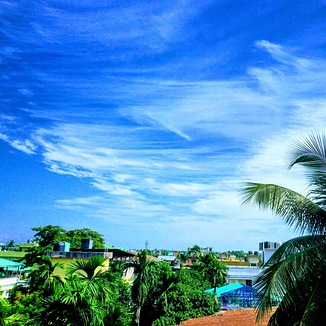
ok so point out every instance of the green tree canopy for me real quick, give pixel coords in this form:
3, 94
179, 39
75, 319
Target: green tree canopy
164, 252
90, 295
11, 245
194, 252
212, 269
47, 235
75, 238
183, 298
182, 257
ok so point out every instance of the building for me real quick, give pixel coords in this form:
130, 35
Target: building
235, 296
268, 248
111, 253
246, 272
243, 274
10, 272
25, 247
206, 250
171, 260
254, 259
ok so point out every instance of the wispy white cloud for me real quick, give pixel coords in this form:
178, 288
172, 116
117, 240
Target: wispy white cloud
81, 201
25, 146
179, 158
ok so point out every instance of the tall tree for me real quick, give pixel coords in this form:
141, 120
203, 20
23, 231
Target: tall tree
184, 298
144, 280
194, 252
47, 235
82, 300
182, 257
43, 275
75, 238
93, 273
212, 270
295, 276
164, 282
11, 245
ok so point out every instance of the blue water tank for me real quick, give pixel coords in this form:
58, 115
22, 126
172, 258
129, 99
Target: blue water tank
66, 247
61, 246
87, 244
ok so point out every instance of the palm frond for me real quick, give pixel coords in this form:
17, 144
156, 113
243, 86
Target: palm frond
313, 312
307, 307
290, 274
294, 277
310, 151
318, 191
295, 245
296, 209
88, 269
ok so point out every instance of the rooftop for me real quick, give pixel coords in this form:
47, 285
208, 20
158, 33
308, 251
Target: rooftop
245, 317
8, 264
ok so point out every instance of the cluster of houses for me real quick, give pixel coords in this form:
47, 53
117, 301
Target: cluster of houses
241, 274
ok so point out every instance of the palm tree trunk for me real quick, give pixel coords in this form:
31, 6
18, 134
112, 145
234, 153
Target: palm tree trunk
138, 315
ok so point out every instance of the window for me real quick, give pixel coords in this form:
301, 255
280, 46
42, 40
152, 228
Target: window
249, 282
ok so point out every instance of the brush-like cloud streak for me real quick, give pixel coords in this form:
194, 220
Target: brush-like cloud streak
183, 154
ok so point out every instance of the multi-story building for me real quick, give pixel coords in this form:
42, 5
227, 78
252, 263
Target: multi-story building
268, 248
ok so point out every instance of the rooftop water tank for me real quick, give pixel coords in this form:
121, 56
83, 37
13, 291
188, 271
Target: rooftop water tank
61, 246
87, 244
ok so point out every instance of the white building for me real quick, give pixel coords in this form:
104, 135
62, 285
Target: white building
243, 274
268, 248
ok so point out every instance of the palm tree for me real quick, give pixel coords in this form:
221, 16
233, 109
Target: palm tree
143, 282
295, 276
182, 257
194, 253
93, 274
212, 270
82, 300
68, 306
44, 275
11, 244
157, 302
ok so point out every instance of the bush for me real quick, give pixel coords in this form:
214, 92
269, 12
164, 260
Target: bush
185, 301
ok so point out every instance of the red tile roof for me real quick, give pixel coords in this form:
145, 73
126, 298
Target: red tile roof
246, 317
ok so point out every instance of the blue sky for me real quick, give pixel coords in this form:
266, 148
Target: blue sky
141, 119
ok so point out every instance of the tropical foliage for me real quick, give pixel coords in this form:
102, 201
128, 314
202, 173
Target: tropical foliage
47, 235
76, 236
185, 299
212, 271
194, 253
43, 276
163, 297
143, 282
295, 276
89, 294
93, 293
